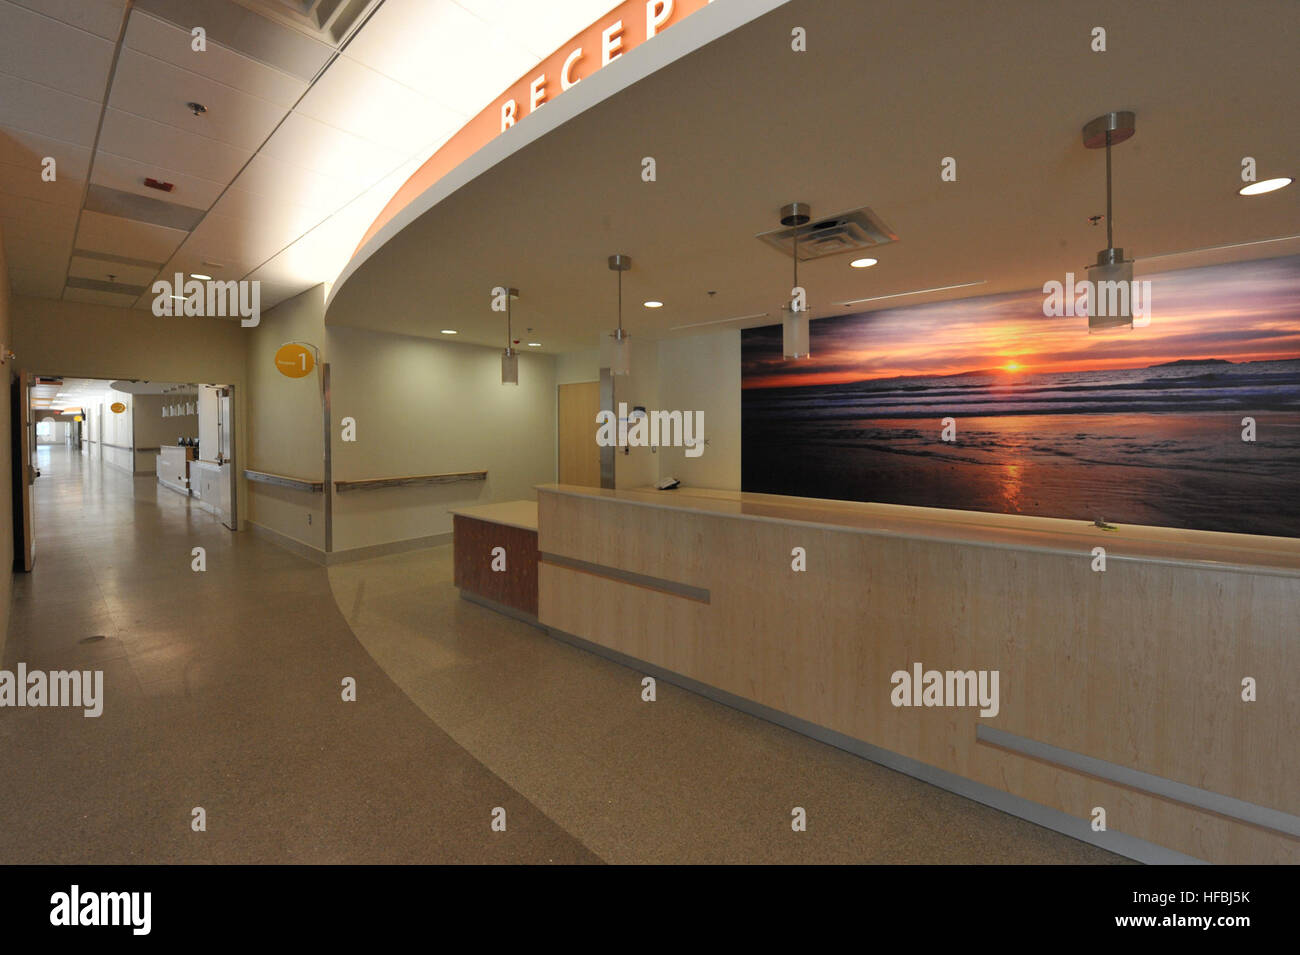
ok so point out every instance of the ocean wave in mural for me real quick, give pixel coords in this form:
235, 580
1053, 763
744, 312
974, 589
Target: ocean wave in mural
1141, 426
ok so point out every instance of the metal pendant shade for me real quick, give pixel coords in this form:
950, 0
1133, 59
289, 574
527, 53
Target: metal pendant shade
1111, 279
794, 314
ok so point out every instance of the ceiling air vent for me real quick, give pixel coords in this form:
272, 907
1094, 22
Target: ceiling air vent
328, 20
832, 235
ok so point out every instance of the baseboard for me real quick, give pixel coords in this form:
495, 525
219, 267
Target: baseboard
1077, 828
384, 550
324, 559
294, 546
504, 609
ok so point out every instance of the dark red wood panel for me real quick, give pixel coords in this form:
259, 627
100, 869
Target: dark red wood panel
516, 586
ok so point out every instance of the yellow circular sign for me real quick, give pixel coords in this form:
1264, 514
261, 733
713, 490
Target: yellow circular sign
294, 361
117, 407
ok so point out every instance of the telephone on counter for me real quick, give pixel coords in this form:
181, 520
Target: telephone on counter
668, 484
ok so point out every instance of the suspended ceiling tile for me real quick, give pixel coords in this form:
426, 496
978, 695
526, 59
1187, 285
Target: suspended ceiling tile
276, 216
138, 240
48, 112
34, 254
156, 144
34, 212
100, 17
195, 255
128, 175
170, 43
473, 62
53, 54
159, 91
331, 152
21, 148
98, 298
541, 27
25, 182
239, 239
290, 182
87, 268
43, 223
46, 282
361, 101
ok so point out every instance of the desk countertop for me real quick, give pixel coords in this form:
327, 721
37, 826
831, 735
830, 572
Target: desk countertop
522, 514
1240, 552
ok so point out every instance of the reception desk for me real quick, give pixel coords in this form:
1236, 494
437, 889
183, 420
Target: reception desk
504, 579
1119, 714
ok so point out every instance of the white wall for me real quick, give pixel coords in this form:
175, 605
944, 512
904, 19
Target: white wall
118, 432
433, 407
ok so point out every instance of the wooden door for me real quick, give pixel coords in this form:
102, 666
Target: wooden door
579, 453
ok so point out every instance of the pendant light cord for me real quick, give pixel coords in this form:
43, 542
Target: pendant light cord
796, 266
620, 305
1110, 240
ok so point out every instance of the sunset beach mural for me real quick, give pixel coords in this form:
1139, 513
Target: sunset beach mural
1140, 426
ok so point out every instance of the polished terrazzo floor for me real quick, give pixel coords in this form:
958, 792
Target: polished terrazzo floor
223, 691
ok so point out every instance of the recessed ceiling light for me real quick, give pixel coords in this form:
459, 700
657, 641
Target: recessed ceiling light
534, 344
179, 298
449, 331
1267, 185
862, 263
201, 277
654, 304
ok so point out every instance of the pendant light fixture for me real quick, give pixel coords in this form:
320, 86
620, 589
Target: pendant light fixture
1105, 310
620, 361
510, 357
794, 320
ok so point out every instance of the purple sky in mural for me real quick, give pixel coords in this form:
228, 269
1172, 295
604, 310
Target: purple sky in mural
1244, 311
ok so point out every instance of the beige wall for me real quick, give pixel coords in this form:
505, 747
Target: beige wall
432, 407
97, 341
702, 373
118, 430
284, 423
6, 457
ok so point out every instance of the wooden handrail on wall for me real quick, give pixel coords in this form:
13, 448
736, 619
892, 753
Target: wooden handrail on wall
283, 480
413, 481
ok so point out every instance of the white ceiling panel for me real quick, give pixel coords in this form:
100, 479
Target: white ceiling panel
25, 182
52, 53
159, 91
100, 17
473, 62
126, 237
282, 218
21, 148
39, 109
33, 211
171, 44
540, 27
128, 175
99, 269
196, 255
331, 152
163, 146
33, 256
98, 298
295, 184
355, 98
44, 224
238, 239
44, 283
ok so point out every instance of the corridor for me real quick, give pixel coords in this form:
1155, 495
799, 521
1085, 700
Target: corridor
222, 691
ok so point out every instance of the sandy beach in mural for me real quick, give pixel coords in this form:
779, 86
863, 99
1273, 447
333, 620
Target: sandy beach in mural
1142, 429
